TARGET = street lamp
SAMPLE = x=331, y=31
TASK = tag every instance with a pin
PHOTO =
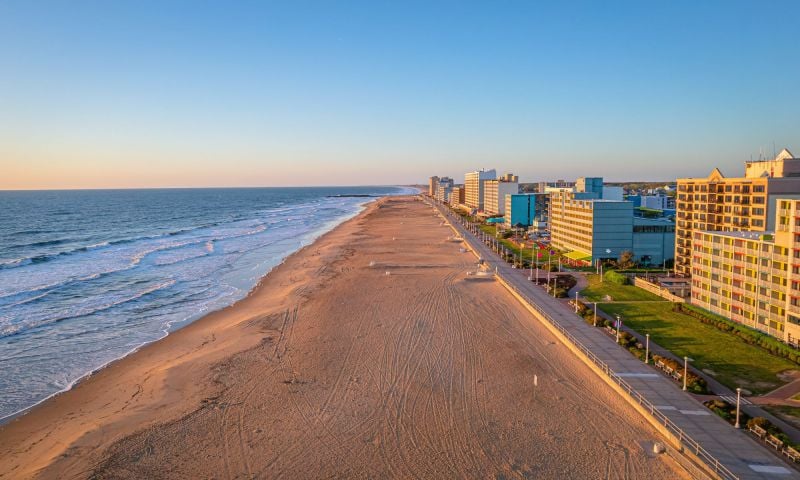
x=738, y=401
x=595, y=315
x=685, y=372
x=619, y=322
x=533, y=245
x=647, y=348
x=576, y=302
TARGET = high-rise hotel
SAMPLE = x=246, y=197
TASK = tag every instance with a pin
x=739, y=239
x=753, y=277
x=495, y=191
x=717, y=203
x=474, y=187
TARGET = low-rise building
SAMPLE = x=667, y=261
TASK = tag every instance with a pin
x=653, y=202
x=753, y=278
x=525, y=208
x=591, y=228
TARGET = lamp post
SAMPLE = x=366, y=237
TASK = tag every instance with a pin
x=533, y=245
x=738, y=402
x=555, y=282
x=685, y=372
x=595, y=315
x=549, y=259
x=647, y=348
x=619, y=322
x=576, y=302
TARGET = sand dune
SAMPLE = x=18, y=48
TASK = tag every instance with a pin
x=331, y=368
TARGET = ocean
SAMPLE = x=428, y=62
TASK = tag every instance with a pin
x=89, y=276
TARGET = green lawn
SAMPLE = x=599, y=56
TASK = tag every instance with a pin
x=597, y=290
x=734, y=363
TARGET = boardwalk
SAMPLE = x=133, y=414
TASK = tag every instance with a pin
x=734, y=450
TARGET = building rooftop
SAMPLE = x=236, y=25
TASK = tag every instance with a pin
x=784, y=165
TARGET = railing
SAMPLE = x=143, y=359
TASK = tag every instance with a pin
x=685, y=440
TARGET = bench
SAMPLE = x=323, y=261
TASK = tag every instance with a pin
x=774, y=442
x=792, y=453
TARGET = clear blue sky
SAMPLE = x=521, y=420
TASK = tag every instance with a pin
x=169, y=93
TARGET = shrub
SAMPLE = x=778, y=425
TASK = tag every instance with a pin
x=615, y=277
x=626, y=339
x=694, y=382
x=728, y=411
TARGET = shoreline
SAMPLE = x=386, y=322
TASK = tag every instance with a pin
x=331, y=367
x=316, y=235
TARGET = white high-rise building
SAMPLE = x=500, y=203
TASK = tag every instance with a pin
x=495, y=191
x=473, y=187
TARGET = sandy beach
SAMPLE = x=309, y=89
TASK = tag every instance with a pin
x=364, y=355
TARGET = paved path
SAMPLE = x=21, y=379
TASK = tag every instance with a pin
x=741, y=455
x=748, y=405
x=786, y=392
x=581, y=283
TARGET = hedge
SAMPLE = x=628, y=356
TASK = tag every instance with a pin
x=772, y=430
x=745, y=333
x=728, y=412
x=614, y=277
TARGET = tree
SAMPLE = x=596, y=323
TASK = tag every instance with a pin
x=626, y=259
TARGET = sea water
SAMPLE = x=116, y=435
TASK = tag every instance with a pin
x=89, y=276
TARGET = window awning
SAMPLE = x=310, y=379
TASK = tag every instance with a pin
x=577, y=255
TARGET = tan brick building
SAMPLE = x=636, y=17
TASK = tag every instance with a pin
x=752, y=277
x=717, y=203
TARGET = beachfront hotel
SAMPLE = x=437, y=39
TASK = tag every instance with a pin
x=752, y=277
x=443, y=189
x=525, y=209
x=592, y=228
x=457, y=196
x=717, y=203
x=433, y=184
x=495, y=191
x=474, y=185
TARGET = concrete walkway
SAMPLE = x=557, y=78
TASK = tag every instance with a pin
x=714, y=385
x=732, y=453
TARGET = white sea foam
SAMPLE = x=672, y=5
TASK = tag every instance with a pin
x=75, y=313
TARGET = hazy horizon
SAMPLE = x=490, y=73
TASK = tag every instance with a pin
x=187, y=95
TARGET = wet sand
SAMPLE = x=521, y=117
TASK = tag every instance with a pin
x=332, y=368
